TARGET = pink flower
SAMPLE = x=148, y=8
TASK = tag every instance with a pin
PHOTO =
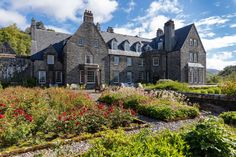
x=111, y=109
x=101, y=106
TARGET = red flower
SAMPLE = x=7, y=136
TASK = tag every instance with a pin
x=2, y=105
x=111, y=109
x=64, y=114
x=28, y=117
x=77, y=123
x=59, y=117
x=105, y=114
x=132, y=112
x=2, y=116
x=101, y=106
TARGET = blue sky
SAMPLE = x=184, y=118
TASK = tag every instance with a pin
x=215, y=19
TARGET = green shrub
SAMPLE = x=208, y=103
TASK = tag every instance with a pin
x=172, y=85
x=217, y=90
x=164, y=144
x=210, y=91
x=209, y=138
x=229, y=88
x=203, y=91
x=229, y=117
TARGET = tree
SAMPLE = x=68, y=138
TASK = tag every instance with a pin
x=19, y=40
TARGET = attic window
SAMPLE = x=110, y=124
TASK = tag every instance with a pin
x=138, y=47
x=195, y=42
x=50, y=59
x=191, y=42
x=114, y=45
x=126, y=46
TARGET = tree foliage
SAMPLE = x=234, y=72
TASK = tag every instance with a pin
x=19, y=40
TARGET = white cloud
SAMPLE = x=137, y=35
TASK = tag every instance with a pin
x=220, y=60
x=213, y=20
x=58, y=29
x=10, y=17
x=131, y=6
x=233, y=26
x=67, y=10
x=165, y=6
x=219, y=42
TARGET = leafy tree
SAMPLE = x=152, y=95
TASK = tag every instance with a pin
x=19, y=40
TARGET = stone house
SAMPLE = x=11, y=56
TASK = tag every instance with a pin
x=91, y=55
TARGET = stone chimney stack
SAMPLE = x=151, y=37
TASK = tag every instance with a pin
x=33, y=28
x=110, y=30
x=88, y=16
x=98, y=26
x=169, y=31
x=159, y=32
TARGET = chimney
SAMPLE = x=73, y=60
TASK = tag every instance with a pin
x=110, y=30
x=33, y=28
x=169, y=31
x=98, y=26
x=159, y=32
x=88, y=16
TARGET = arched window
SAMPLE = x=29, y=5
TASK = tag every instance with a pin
x=114, y=44
x=126, y=46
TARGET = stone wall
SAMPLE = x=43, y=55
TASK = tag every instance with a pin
x=14, y=68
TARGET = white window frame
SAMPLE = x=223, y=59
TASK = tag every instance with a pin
x=88, y=81
x=116, y=73
x=195, y=57
x=129, y=74
x=81, y=41
x=129, y=61
x=81, y=76
x=142, y=62
x=155, y=59
x=191, y=57
x=138, y=47
x=126, y=46
x=57, y=77
x=191, y=76
x=195, y=42
x=191, y=42
x=116, y=60
x=114, y=45
x=42, y=72
x=91, y=59
x=96, y=44
x=160, y=45
x=50, y=59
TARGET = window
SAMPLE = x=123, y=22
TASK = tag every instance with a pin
x=88, y=59
x=138, y=47
x=58, y=77
x=81, y=76
x=129, y=77
x=116, y=60
x=42, y=77
x=114, y=45
x=190, y=76
x=116, y=76
x=129, y=61
x=95, y=43
x=91, y=77
x=195, y=76
x=81, y=42
x=195, y=42
x=155, y=61
x=148, y=48
x=191, y=56
x=195, y=57
x=191, y=42
x=200, y=75
x=160, y=45
x=141, y=76
x=141, y=62
x=50, y=59
x=126, y=46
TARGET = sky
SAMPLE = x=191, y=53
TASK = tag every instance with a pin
x=215, y=20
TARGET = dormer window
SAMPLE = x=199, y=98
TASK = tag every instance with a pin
x=126, y=46
x=138, y=47
x=114, y=44
x=148, y=48
x=50, y=59
x=160, y=45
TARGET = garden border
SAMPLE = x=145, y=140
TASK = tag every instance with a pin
x=80, y=138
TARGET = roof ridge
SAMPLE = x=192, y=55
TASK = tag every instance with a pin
x=126, y=35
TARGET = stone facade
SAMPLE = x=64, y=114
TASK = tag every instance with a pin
x=91, y=56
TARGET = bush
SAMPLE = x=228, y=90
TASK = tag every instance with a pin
x=172, y=85
x=229, y=88
x=210, y=91
x=229, y=117
x=119, y=144
x=209, y=138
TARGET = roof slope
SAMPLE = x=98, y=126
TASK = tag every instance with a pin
x=44, y=38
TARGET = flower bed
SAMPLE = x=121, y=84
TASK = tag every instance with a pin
x=32, y=116
x=163, y=105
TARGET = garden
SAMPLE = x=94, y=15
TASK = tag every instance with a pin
x=38, y=119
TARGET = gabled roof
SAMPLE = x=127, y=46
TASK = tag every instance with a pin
x=5, y=48
x=58, y=47
x=107, y=36
x=44, y=38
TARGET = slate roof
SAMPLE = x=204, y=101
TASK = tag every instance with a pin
x=5, y=48
x=121, y=38
x=44, y=38
x=58, y=48
x=180, y=36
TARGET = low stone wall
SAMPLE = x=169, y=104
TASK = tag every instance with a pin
x=228, y=103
